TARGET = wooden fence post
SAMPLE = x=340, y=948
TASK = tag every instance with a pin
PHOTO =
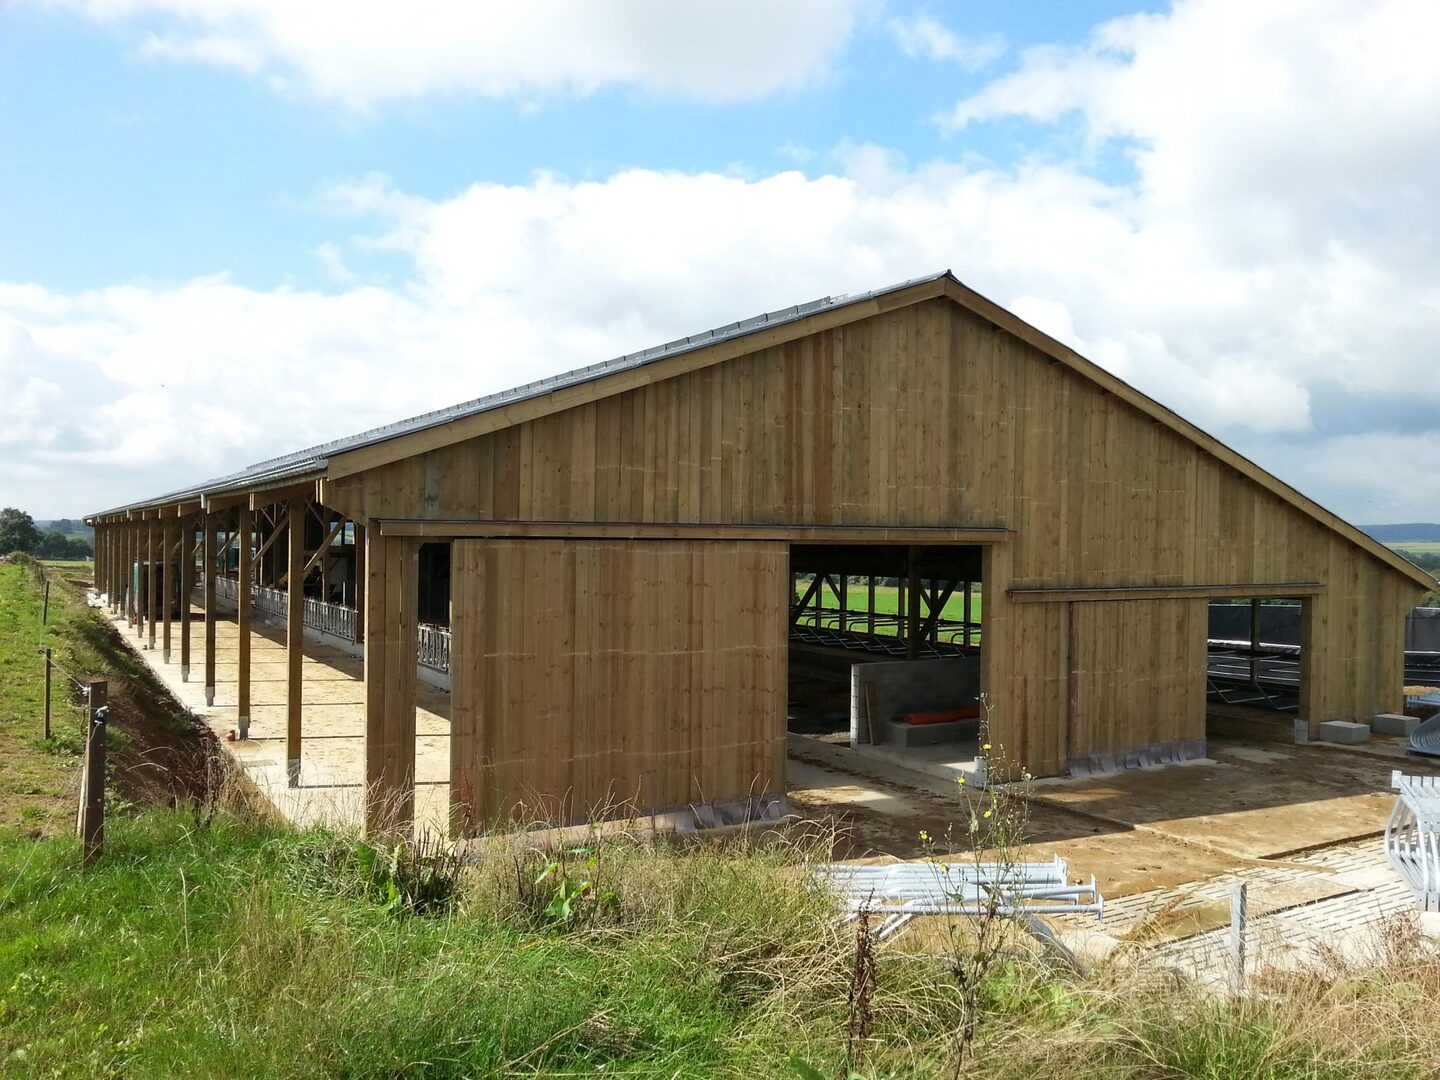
x=92, y=786
x=45, y=609
x=48, y=667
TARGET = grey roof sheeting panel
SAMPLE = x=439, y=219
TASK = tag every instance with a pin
x=300, y=463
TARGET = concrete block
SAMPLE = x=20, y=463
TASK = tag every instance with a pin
x=1346, y=732
x=931, y=734
x=1388, y=723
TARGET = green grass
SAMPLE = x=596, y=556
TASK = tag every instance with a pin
x=36, y=779
x=1420, y=547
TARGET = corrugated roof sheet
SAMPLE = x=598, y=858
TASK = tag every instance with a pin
x=300, y=464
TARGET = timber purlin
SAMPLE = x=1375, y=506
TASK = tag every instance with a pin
x=1271, y=590
x=638, y=530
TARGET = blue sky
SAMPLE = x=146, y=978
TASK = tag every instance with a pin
x=201, y=199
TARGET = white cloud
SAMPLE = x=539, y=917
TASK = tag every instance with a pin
x=922, y=37
x=364, y=52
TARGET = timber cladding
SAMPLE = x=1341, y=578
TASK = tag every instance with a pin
x=928, y=415
x=595, y=676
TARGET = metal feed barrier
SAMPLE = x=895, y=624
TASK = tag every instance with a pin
x=432, y=645
x=901, y=891
x=1412, y=836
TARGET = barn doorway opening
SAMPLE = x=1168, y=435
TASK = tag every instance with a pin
x=1254, y=667
x=885, y=645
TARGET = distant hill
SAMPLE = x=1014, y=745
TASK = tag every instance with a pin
x=1394, y=534
x=70, y=527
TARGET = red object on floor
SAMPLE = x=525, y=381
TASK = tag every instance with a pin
x=944, y=716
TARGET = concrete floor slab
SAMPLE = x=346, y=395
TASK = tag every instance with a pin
x=332, y=757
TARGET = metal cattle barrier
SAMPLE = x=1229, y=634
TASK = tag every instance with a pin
x=1412, y=836
x=902, y=891
x=432, y=646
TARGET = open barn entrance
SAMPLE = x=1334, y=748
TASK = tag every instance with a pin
x=885, y=648
x=1254, y=667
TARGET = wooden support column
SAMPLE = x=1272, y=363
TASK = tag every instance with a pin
x=187, y=587
x=169, y=531
x=242, y=625
x=207, y=569
x=153, y=539
x=1255, y=643
x=391, y=603
x=359, y=598
x=126, y=558
x=912, y=603
x=294, y=636
x=1002, y=725
x=967, y=614
x=327, y=537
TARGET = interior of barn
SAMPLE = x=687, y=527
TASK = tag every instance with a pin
x=885, y=647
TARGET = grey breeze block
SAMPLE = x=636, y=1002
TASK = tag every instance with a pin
x=1389, y=723
x=1344, y=731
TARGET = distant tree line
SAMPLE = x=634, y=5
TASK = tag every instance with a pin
x=18, y=532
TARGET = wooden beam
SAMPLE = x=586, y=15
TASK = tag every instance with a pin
x=294, y=637
x=275, y=534
x=216, y=504
x=242, y=626
x=207, y=566
x=324, y=547
x=288, y=494
x=391, y=602
x=632, y=530
x=1268, y=590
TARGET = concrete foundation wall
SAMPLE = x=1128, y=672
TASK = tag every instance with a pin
x=906, y=686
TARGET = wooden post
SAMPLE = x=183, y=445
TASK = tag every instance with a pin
x=1255, y=643
x=207, y=568
x=360, y=556
x=49, y=665
x=45, y=604
x=167, y=582
x=392, y=599
x=242, y=625
x=127, y=559
x=294, y=636
x=91, y=825
x=912, y=604
x=967, y=614
x=187, y=587
x=325, y=516
x=996, y=661
x=870, y=601
x=153, y=539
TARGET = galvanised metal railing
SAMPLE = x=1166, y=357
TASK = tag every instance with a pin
x=434, y=651
x=432, y=645
x=335, y=619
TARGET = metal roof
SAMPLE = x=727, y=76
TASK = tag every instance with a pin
x=300, y=464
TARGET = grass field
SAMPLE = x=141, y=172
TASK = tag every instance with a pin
x=1420, y=547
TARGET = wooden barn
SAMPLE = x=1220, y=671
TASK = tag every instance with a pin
x=630, y=562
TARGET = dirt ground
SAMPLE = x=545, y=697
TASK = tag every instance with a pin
x=1250, y=804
